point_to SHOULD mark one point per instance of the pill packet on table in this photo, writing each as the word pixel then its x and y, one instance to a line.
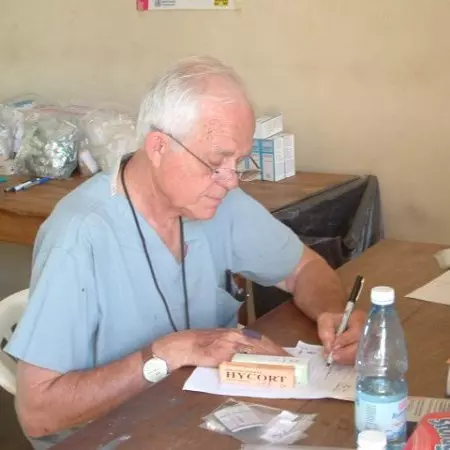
pixel 251 423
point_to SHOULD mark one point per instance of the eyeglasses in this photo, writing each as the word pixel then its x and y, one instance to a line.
pixel 222 173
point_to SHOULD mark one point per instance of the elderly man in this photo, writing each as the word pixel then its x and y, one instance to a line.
pixel 128 280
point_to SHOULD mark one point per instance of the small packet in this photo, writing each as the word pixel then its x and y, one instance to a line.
pixel 291 447
pixel 287 428
pixel 257 424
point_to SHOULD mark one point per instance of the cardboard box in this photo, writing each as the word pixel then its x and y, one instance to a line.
pixel 268 125
pixel 275 156
pixel 271 157
pixel 258 375
pixel 289 155
pixel 300 365
pixel 289 168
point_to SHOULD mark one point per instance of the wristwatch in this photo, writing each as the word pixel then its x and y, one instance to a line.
pixel 155 369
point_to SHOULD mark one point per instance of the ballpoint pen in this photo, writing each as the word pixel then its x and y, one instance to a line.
pixel 27 184
pixel 353 298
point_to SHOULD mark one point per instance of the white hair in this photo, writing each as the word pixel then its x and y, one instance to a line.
pixel 173 104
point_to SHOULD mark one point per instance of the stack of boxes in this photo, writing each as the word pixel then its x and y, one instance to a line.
pixel 273 150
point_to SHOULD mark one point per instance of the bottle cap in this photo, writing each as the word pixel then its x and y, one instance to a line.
pixel 382 295
pixel 372 439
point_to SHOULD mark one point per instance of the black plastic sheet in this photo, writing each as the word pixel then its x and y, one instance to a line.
pixel 339 224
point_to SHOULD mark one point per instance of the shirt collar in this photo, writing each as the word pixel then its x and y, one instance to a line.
pixel 115 173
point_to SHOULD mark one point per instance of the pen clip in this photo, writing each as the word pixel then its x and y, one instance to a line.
pixel 356 289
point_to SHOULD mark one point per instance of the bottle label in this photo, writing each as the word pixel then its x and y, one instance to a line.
pixel 387 414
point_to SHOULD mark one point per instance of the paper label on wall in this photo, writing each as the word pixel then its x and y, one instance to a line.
pixel 152 5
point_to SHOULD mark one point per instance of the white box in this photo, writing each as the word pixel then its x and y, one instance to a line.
pixel 272 170
pixel 289 168
pixel 289 155
pixel 289 145
pixel 268 125
pixel 270 154
pixel 275 156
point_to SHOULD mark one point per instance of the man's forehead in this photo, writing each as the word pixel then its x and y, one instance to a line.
pixel 226 131
pixel 226 119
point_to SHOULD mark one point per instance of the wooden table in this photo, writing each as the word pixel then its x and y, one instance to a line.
pixel 22 213
pixel 165 417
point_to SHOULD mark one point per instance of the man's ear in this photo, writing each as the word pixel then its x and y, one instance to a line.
pixel 155 145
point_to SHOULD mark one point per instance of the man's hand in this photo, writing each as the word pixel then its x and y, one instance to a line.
pixel 344 347
pixel 208 348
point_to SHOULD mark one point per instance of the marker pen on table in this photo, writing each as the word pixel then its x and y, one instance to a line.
pixel 27 184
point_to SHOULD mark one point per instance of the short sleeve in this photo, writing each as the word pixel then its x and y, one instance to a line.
pixel 57 329
pixel 264 250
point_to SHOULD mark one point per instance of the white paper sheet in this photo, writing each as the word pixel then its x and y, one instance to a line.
pixel 340 384
pixel 436 291
pixel 419 406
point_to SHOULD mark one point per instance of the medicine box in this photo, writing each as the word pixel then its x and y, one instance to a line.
pixel 300 365
pixel 268 125
pixel 257 375
pixel 289 155
pixel 275 156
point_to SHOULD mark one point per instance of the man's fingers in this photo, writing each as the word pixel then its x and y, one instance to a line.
pixel 263 346
pixel 349 337
pixel 326 330
pixel 345 355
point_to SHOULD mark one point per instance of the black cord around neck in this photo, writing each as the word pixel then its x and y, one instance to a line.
pixel 150 265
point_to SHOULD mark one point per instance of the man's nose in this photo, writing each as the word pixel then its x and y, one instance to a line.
pixel 230 180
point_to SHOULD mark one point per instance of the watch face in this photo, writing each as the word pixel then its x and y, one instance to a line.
pixel 155 369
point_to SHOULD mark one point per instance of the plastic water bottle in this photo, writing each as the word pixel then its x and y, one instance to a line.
pixel 381 364
pixel 372 440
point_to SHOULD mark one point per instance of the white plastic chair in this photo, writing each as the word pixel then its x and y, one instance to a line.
pixel 11 310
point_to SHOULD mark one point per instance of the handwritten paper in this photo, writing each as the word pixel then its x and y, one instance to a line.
pixel 340 383
pixel 436 291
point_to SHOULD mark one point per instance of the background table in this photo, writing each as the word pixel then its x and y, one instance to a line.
pixel 165 417
pixel 22 213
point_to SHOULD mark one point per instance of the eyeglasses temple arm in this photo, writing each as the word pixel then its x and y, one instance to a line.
pixel 254 162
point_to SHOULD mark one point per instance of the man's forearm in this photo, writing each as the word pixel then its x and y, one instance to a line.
pixel 318 289
pixel 78 397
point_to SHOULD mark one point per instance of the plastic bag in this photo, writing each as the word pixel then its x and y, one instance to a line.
pixel 290 447
pixel 11 130
pixel 257 424
pixel 49 144
pixel 110 133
